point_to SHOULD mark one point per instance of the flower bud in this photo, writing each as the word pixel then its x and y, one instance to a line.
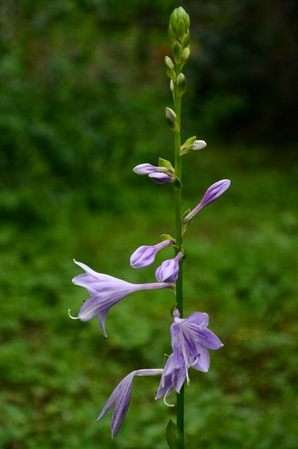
pixel 181 83
pixel 198 145
pixel 170 114
pixel 193 146
pixel 161 178
pixel 145 255
pixel 177 52
pixel 170 68
pixel 146 169
pixel 172 86
pixel 185 55
pixel 171 119
pixel 179 24
pixel 168 271
pixel 211 194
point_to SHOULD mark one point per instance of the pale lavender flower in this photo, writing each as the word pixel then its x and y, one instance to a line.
pixel 161 178
pixel 106 291
pixel 146 169
pixel 145 255
pixel 160 175
pixel 121 396
pixel 168 271
pixel 211 195
pixel 172 378
pixel 191 340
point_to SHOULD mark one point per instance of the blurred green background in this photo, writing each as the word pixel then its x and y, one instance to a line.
pixel 82 98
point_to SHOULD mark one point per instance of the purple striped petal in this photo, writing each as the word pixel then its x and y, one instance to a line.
pixel 211 194
pixel 161 178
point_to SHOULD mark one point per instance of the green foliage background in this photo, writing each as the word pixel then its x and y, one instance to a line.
pixel 82 97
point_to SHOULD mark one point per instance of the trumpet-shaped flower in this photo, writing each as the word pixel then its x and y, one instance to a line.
pixel 168 271
pixel 191 340
pixel 160 175
pixel 121 397
pixel 145 255
pixel 106 291
pixel 211 194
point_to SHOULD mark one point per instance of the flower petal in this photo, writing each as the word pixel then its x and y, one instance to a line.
pixel 203 362
pixel 209 339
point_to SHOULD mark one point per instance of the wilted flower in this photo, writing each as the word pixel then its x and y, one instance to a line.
pixel 105 292
pixel 168 271
pixel 145 255
pixel 211 194
pixel 191 340
pixel 121 396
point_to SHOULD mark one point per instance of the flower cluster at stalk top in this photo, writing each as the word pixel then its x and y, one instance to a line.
pixel 191 339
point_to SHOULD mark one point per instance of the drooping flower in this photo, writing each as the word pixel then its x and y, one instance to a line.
pixel 168 271
pixel 191 340
pixel 211 194
pixel 145 255
pixel 106 291
pixel 172 378
pixel 121 397
pixel 160 175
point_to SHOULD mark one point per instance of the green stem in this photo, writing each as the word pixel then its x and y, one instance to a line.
pixel 179 283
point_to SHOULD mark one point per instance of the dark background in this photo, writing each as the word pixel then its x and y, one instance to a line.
pixel 82 98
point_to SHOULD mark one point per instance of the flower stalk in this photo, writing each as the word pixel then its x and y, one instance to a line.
pixel 190 337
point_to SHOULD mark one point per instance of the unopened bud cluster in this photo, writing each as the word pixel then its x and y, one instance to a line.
pixel 179 35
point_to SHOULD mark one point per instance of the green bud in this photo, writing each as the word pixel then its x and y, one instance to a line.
pixel 185 55
pixel 181 83
pixel 177 52
pixel 185 40
pixel 171 34
pixel 173 19
pixel 170 114
pixel 181 14
pixel 170 68
pixel 172 88
pixel 179 24
pixel 181 30
pixel 169 63
pixel 171 119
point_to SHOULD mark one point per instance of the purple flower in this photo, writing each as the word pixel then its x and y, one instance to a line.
pixel 168 271
pixel 161 178
pixel 191 340
pixel 105 292
pixel 211 195
pixel 145 255
pixel 121 396
pixel 173 377
pixel 160 175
